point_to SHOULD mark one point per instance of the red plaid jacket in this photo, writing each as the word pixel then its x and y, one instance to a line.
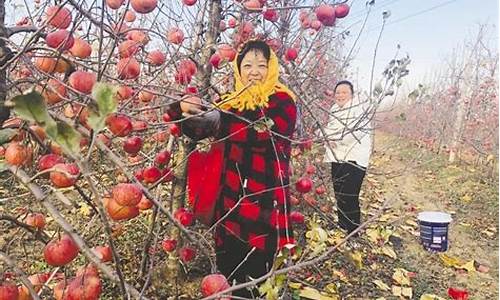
pixel 254 201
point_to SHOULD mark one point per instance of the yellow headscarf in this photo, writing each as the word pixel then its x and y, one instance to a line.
pixel 256 95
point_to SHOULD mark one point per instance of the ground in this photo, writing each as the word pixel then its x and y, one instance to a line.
pixel 385 262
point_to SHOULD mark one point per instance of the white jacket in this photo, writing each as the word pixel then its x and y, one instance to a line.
pixel 350 133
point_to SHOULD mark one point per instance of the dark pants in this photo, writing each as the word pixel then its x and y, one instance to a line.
pixel 256 264
pixel 347 180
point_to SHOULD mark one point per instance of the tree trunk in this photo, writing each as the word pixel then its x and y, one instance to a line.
pixel 213 32
pixel 457 129
pixel 4 57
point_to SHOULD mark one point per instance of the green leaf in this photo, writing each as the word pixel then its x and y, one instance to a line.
pixel 31 107
pixel 66 136
pixel 104 95
pixel 6 135
pixel 3 166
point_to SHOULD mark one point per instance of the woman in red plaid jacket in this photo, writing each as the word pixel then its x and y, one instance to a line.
pixel 255 124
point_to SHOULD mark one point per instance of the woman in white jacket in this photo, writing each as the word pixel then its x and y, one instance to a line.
pixel 348 149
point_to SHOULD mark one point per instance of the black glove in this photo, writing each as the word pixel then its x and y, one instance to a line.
pixel 200 124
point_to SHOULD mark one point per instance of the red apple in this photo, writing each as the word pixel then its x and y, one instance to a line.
pixel 8 291
pixel 82 81
pixel 47 161
pixel 310 169
pixel 16 154
pixel 186 254
pixel 60 252
pixel 303 185
pixel 215 60
pixel 226 52
pixel 144 204
pixel 119 125
pixel 297 217
pixel 151 174
pixel 114 4
pixel 127 194
pixel 104 253
pixel 175 130
pixel 128 68
pixel 271 15
pixel 291 54
pixel 118 212
pixel 64 175
pixel 169 245
pixel 60 39
pixel 162 158
pixel 175 36
pixel 156 58
pixel 144 6
pixel 214 283
pixel 36 220
pixel 326 14
pixel 184 216
pixel 341 10
pixel 189 2
pixel 59 17
pixel 320 190
pixel 132 145
pixel 84 288
pixel 128 48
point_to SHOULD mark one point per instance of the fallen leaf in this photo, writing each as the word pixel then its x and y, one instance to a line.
pixel 341 276
pixel 466 198
pixel 469 266
pixel 331 288
pixel 396 291
pixel 450 261
pixel 431 297
pixel 411 222
pixel 357 257
pixel 401 277
pixel 387 250
pixel 407 292
pixel 313 294
pixel 295 285
pixel 381 285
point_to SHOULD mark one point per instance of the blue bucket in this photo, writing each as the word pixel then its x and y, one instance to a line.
pixel 434 230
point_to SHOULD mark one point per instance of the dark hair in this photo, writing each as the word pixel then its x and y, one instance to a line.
pixel 259 46
pixel 347 82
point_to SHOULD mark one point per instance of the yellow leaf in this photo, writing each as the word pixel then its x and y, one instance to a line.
pixel 430 297
pixel 313 294
pixel 466 198
pixel 387 250
pixel 385 217
pixel 381 285
pixel 397 291
pixel 450 261
pixel 411 222
pixel 331 288
pixel 357 257
pixel 85 209
pixel 295 285
pixel 401 277
pixel 407 292
pixel 469 266
pixel 340 276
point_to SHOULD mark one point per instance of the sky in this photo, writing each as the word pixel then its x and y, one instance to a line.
pixel 429 36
